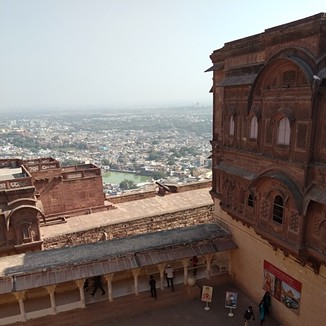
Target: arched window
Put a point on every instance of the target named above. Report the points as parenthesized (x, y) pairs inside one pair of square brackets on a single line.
[(253, 128), (283, 132), (231, 131), (250, 200), (26, 231), (278, 208)]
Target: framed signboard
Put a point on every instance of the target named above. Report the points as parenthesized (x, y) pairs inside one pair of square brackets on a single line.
[(207, 293), (282, 286), (231, 299)]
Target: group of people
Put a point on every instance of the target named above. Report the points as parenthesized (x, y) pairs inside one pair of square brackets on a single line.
[(264, 308)]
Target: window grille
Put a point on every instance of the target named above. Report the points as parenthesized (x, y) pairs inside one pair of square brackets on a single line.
[(278, 209), (250, 201), (289, 77)]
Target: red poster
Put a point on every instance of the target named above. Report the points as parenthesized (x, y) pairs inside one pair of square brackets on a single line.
[(282, 286)]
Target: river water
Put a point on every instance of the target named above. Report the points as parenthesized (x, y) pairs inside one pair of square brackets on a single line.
[(117, 177)]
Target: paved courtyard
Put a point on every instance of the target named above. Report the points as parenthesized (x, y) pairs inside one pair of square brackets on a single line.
[(181, 307), (192, 312)]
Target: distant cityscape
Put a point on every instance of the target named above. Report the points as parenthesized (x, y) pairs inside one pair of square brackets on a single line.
[(171, 143)]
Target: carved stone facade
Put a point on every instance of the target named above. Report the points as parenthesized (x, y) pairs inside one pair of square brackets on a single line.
[(38, 191), (269, 147)]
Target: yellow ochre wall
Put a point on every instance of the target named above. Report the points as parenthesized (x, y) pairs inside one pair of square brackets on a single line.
[(247, 269)]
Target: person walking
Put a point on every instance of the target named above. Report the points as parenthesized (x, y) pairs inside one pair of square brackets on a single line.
[(97, 285), (169, 276), (152, 285), (262, 312), (267, 302), (249, 313)]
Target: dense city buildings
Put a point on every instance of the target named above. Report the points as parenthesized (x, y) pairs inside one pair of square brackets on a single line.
[(169, 142), (269, 155)]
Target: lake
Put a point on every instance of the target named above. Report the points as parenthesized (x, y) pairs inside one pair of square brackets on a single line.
[(117, 177)]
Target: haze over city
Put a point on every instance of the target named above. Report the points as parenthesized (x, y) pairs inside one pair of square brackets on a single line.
[(88, 54)]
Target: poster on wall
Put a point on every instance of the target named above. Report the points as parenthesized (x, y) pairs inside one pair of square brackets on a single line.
[(282, 286)]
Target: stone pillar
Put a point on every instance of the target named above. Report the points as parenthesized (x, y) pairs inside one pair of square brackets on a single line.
[(208, 259), (135, 273), (80, 284), (185, 263), (161, 268), (50, 289), (20, 296), (108, 278)]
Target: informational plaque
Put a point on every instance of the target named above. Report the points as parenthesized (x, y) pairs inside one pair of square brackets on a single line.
[(231, 299), (207, 293)]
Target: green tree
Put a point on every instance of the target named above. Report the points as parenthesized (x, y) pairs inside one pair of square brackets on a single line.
[(154, 155), (105, 161), (70, 162), (158, 175), (127, 184)]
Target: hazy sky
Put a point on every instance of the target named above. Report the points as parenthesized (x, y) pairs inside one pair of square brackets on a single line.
[(123, 53)]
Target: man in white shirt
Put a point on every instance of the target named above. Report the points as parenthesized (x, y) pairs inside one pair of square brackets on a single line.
[(169, 276)]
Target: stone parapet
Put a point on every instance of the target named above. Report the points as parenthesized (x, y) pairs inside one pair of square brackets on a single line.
[(153, 223)]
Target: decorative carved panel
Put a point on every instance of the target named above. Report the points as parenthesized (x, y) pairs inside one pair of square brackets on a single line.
[(316, 226), (302, 136), (294, 221), (264, 209)]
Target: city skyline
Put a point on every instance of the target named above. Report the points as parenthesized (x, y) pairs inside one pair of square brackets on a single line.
[(60, 55)]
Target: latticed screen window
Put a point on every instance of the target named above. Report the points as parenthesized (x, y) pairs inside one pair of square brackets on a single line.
[(231, 130), (302, 132), (289, 77), (283, 132), (294, 222), (264, 212), (253, 128), (278, 209)]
